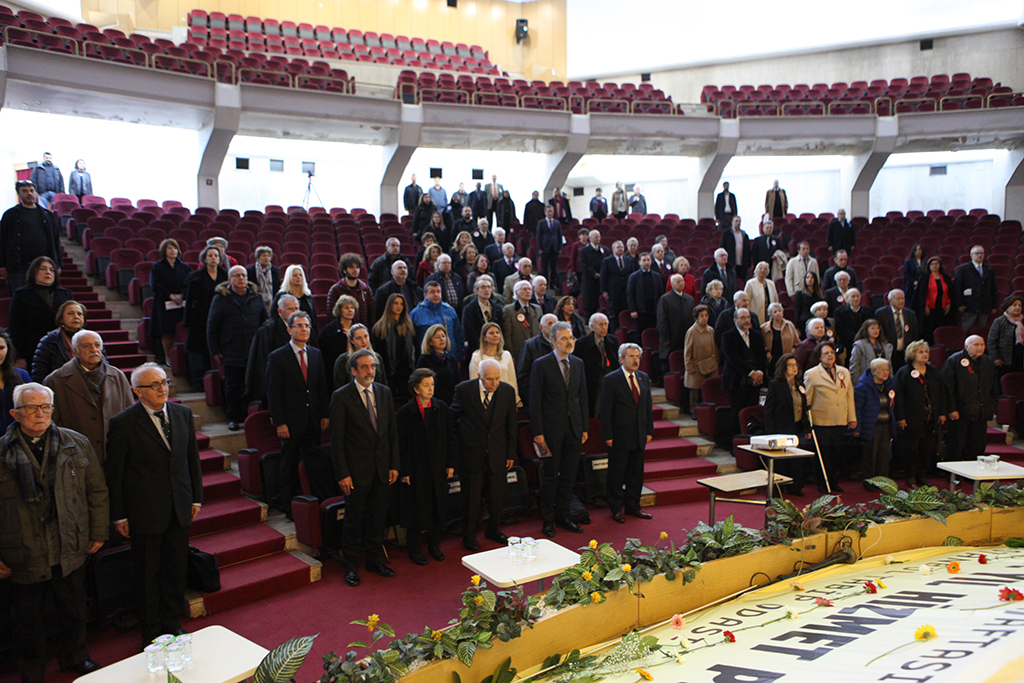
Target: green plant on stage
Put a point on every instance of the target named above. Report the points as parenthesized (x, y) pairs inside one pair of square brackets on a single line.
[(724, 539), (923, 500), (987, 493), (786, 521), (382, 666), (504, 673), (284, 661), (649, 561)]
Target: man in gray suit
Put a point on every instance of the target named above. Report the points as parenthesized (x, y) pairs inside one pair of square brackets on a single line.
[(493, 190)]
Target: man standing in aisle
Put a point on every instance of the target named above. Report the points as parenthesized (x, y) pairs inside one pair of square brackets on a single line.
[(27, 231), (620, 204), (627, 423), (725, 207), (974, 290), (776, 204), (598, 206), (411, 196), (493, 190), (48, 180), (549, 244)]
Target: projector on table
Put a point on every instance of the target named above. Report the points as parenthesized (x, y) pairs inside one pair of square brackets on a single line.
[(773, 442)]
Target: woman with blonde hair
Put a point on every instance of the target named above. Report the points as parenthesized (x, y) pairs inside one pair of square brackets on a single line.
[(294, 283), (429, 263), (394, 339), (681, 266), (492, 345)]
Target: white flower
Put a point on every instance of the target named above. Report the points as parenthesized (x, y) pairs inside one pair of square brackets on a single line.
[(889, 559), (680, 659), (925, 570), (792, 613)]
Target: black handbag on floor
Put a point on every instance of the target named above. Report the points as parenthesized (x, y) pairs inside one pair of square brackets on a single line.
[(203, 573)]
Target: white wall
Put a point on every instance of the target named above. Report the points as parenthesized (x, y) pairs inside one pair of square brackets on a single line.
[(904, 183), (125, 159)]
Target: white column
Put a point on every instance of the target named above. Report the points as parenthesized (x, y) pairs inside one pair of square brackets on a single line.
[(214, 140), (713, 165), (397, 156)]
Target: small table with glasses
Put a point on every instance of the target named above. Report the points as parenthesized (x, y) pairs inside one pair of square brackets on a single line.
[(498, 569), (971, 469)]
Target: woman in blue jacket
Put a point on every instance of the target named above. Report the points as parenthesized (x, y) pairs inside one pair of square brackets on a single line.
[(874, 397)]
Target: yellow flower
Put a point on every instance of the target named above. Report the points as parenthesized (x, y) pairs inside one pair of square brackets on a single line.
[(925, 632), (593, 544), (479, 600), (475, 579), (880, 584), (626, 569), (372, 621), (594, 568), (595, 597), (646, 675), (587, 576), (664, 535), (953, 567), (435, 636)]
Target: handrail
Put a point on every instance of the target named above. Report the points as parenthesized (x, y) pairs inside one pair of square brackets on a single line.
[(499, 95), (67, 40), (1010, 95), (609, 100), (758, 104), (963, 98), (461, 95), (554, 98), (276, 74), (234, 69), (211, 71)]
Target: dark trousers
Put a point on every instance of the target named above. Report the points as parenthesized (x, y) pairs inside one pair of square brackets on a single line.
[(160, 564), (625, 478), (549, 269), (875, 454), (472, 496), (919, 453), (366, 510), (234, 393), (291, 454), (643, 321), (614, 308), (33, 602), (830, 440), (198, 366), (965, 438), (591, 295), (558, 476), (16, 280), (740, 398)]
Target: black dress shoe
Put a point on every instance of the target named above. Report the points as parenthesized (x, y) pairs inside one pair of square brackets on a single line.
[(496, 536), (436, 553), (569, 525), (640, 514), (549, 529), (618, 517), (86, 666), (233, 426), (921, 481), (352, 577), (381, 570), (418, 559), (470, 543)]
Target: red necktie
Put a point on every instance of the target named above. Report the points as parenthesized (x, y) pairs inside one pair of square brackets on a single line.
[(636, 392), (302, 365)]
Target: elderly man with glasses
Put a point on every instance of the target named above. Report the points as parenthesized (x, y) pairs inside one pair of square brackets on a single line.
[(54, 512)]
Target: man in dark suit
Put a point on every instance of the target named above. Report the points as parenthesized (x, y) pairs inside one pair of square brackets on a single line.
[(532, 349), (660, 263), (598, 206), (745, 364), (725, 207), (484, 411), (615, 271), (675, 317), (849, 317), (835, 297), (493, 250), (364, 450), (725, 321), (591, 257), (627, 422), (156, 490), (600, 354), (380, 269), (970, 377), (764, 247), (840, 234), (722, 270), (558, 416), (842, 260), (411, 195), (549, 243), (298, 399), (504, 266), (643, 289), (737, 245), (478, 203), (974, 290), (271, 335), (899, 325)]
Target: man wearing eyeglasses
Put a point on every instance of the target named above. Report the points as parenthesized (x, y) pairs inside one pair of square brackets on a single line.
[(156, 491), (53, 512)]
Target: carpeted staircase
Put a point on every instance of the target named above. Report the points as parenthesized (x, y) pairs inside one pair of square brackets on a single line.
[(672, 463)]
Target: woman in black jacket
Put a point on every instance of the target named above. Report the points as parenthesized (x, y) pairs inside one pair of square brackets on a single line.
[(436, 356), (199, 287), (809, 295), (426, 446), (34, 306), (54, 350), (921, 405), (167, 279), (785, 412)]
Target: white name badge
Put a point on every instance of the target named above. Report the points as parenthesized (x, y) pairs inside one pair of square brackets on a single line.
[(968, 292)]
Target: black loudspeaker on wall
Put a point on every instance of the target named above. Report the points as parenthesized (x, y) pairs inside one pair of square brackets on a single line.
[(522, 30)]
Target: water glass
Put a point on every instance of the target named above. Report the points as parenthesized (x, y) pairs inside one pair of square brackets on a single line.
[(519, 552), (175, 654), (512, 540), (993, 462), (165, 640), (983, 462), (532, 546), (186, 640), (155, 658)]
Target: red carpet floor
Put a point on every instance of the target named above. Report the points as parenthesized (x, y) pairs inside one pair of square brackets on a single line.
[(416, 597)]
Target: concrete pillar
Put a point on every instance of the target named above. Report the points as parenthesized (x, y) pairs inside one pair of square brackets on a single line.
[(713, 165), (214, 140), (1012, 172), (559, 166), (397, 156), (857, 177)]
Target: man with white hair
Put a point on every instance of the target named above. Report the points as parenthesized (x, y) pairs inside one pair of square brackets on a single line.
[(272, 335), (659, 262), (453, 289), (493, 251), (236, 314), (591, 257), (504, 266), (88, 391), (541, 296), (725, 322), (523, 274), (746, 361), (675, 317), (532, 349), (627, 424), (637, 202), (972, 381), (381, 268), (850, 317), (899, 325), (482, 237), (521, 318), (600, 354), (398, 284), (156, 490), (842, 265), (737, 244), (836, 296), (722, 271), (55, 512)]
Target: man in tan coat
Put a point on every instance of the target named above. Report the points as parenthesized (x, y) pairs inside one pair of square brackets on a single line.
[(88, 391)]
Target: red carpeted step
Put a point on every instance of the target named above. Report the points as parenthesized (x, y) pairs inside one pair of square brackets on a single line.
[(203, 440), (673, 491), (251, 581), (211, 460), (1008, 453), (104, 325), (121, 348), (221, 484), (665, 449), (94, 306), (241, 544), (111, 336), (660, 470), (127, 362), (82, 294), (994, 436), (658, 412), (97, 314), (663, 429), (227, 513)]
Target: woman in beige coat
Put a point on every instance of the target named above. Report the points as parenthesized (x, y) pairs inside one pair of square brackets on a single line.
[(757, 288), (780, 336), (831, 408), (700, 354)]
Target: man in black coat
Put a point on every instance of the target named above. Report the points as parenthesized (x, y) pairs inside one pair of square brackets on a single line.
[(364, 451), (974, 290), (737, 245), (156, 490), (970, 377), (533, 348), (850, 317), (558, 396), (627, 423), (675, 317), (899, 325), (549, 244), (398, 284), (745, 364), (48, 180), (764, 246), (722, 270), (380, 269), (533, 212), (478, 203), (27, 231), (272, 335), (599, 352), (835, 297), (591, 257), (840, 234), (615, 272), (484, 411), (411, 196), (842, 260), (725, 207), (297, 397), (725, 321), (236, 314), (643, 289), (503, 267)]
